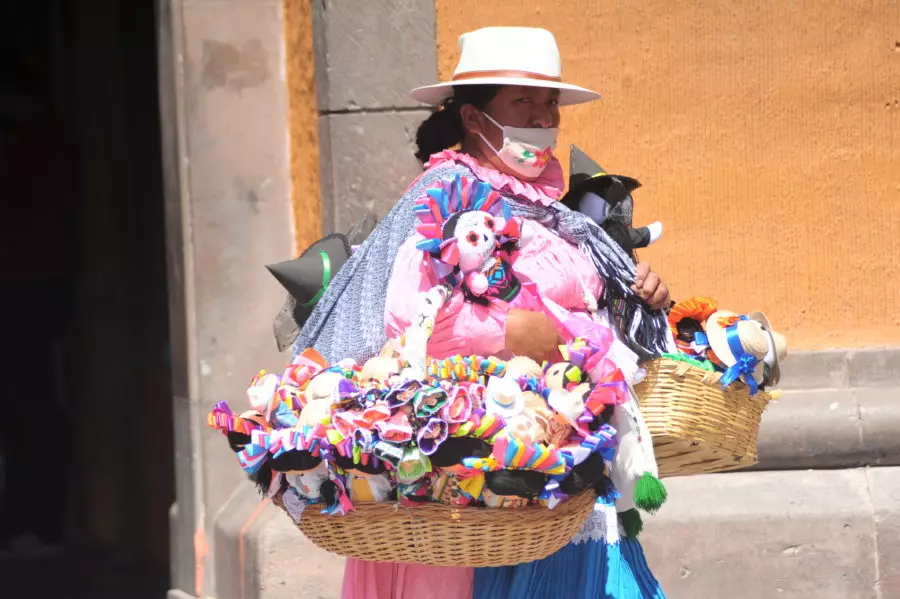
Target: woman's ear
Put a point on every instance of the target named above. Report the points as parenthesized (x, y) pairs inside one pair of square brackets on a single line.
[(472, 119)]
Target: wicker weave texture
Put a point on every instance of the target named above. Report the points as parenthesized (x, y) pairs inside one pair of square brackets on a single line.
[(444, 535), (698, 427)]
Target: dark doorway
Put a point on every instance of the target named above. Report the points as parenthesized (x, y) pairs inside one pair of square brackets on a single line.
[(86, 474)]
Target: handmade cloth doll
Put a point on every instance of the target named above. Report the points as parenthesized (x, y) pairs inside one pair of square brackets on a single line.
[(745, 348), (470, 235), (238, 431), (633, 472), (307, 277), (606, 199), (687, 321), (472, 245), (524, 410), (455, 484), (366, 482)]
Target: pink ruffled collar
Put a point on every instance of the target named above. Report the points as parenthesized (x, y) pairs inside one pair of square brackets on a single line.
[(545, 190)]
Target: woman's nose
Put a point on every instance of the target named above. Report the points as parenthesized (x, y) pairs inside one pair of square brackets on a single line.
[(541, 117)]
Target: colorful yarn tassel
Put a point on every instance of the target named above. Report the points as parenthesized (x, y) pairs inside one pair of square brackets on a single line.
[(649, 493)]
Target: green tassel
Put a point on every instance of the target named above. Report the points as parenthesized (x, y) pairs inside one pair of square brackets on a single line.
[(649, 493), (632, 523)]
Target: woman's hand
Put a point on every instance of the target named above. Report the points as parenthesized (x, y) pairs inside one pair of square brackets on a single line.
[(532, 334), (650, 287)]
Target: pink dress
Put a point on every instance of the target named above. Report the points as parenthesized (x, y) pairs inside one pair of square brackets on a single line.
[(558, 270)]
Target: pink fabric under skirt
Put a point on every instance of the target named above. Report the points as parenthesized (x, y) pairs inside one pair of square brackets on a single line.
[(373, 580)]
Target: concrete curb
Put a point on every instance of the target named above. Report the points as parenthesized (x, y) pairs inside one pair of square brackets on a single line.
[(842, 369), (832, 428)]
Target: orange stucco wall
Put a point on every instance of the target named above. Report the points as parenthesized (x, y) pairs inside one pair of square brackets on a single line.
[(300, 77), (767, 137)]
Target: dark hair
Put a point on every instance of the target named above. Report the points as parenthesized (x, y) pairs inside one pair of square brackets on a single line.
[(295, 460), (444, 128)]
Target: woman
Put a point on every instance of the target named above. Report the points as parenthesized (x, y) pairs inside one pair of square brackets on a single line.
[(502, 111)]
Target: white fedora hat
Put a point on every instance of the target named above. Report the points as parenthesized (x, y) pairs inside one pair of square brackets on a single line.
[(507, 56)]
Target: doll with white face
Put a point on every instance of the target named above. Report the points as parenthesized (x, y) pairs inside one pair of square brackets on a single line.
[(483, 244), (470, 235)]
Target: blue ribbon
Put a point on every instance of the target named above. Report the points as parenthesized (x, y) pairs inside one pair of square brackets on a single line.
[(746, 364), (700, 338)]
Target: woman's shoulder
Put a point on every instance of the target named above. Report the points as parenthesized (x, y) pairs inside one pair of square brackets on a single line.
[(433, 174)]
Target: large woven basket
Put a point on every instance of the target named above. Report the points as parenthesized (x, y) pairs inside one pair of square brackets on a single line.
[(697, 426), (445, 535)]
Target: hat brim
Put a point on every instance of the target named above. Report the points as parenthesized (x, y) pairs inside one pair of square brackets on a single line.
[(718, 342), (597, 184), (718, 338), (767, 326), (569, 94)]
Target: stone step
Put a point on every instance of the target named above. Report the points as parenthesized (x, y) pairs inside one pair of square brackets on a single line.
[(831, 428), (824, 534)]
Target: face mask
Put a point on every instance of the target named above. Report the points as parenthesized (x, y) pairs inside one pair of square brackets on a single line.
[(526, 150)]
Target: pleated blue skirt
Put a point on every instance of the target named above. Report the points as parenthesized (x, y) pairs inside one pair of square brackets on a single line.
[(589, 569)]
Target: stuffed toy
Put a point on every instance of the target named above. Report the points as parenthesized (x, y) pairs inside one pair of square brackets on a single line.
[(320, 395), (633, 469), (535, 420), (606, 199), (307, 475), (307, 277), (368, 482), (470, 236), (379, 371), (239, 439), (455, 484), (687, 322), (414, 475), (745, 348)]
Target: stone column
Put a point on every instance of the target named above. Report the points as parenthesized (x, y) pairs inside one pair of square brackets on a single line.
[(227, 170), (225, 137), (368, 56)]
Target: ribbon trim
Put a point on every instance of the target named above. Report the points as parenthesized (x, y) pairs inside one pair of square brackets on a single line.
[(326, 280)]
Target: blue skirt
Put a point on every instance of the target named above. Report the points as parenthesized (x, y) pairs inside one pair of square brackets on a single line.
[(588, 568)]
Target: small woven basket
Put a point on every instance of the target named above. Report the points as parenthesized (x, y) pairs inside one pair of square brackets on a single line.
[(697, 426), (444, 535)]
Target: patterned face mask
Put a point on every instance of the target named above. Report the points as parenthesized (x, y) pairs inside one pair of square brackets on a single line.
[(526, 150)]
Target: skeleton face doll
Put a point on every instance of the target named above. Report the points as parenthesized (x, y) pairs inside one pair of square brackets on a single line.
[(469, 234)]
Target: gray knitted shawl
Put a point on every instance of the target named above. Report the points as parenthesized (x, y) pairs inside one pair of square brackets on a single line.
[(348, 321)]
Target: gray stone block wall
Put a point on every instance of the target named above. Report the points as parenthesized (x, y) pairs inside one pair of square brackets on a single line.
[(228, 212), (372, 162), (368, 56)]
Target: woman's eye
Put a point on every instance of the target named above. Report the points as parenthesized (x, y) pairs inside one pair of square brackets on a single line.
[(472, 238), (523, 101), (489, 223), (554, 102)]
